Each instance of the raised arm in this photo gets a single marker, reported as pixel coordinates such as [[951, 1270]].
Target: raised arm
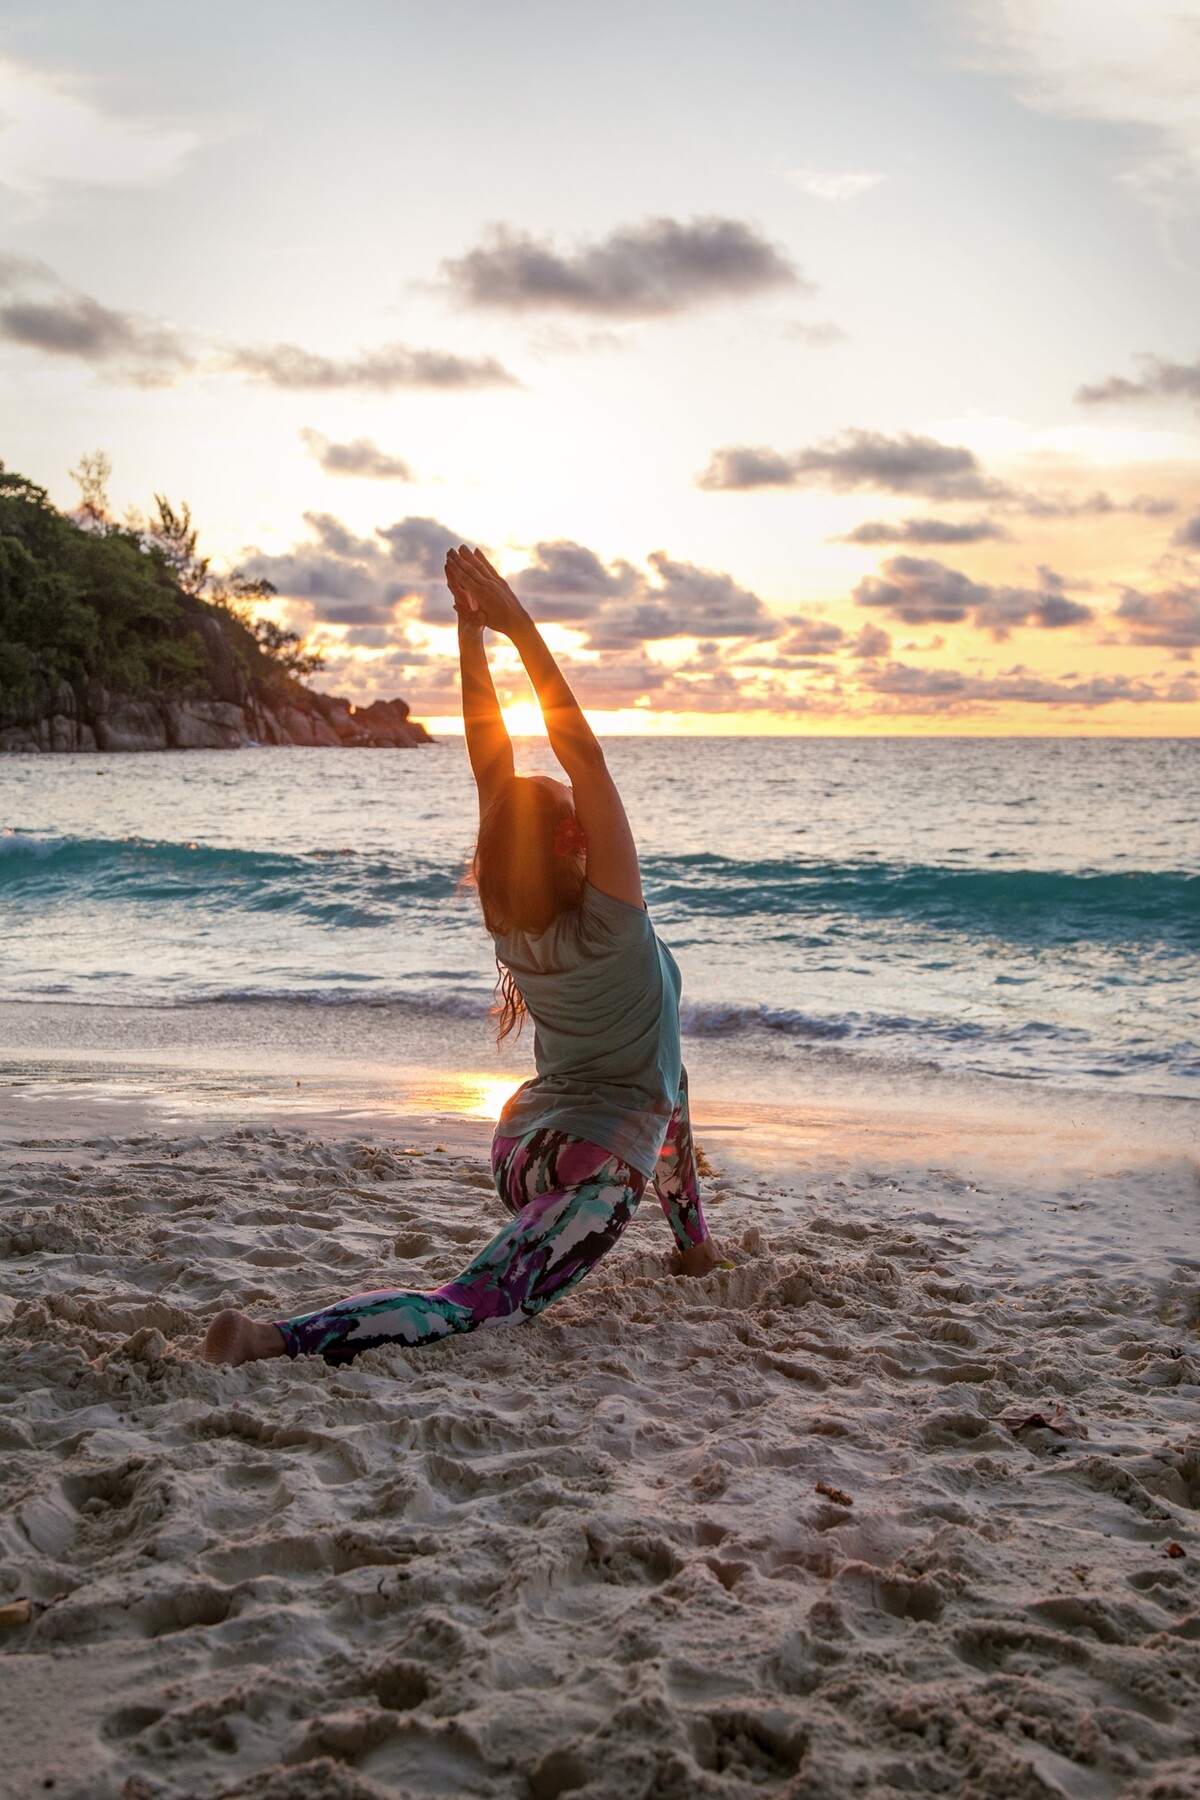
[[612, 864], [489, 746]]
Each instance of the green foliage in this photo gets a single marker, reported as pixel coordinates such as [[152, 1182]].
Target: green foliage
[[178, 663], [173, 536], [77, 600], [83, 597], [286, 649]]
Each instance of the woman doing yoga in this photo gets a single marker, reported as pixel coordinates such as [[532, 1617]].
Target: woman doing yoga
[[558, 880]]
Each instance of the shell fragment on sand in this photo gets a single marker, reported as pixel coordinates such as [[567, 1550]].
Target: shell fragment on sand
[[1055, 1418]]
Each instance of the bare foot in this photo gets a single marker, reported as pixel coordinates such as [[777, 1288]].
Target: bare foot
[[700, 1259], [233, 1338]]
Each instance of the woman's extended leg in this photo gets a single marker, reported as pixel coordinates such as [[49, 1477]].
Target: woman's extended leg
[[676, 1186], [580, 1199]]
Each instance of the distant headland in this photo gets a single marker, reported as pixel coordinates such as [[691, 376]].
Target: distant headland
[[117, 637]]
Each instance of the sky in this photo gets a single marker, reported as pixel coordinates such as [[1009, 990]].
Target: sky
[[822, 366]]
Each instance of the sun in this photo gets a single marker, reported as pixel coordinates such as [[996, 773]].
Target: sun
[[523, 718]]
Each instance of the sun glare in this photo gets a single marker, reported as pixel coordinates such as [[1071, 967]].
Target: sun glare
[[483, 1096], [523, 718]]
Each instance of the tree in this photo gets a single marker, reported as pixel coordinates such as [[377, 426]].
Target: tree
[[79, 597], [239, 594], [286, 648], [173, 535], [132, 605], [93, 474]]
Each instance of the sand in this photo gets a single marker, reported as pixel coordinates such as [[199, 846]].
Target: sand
[[598, 1554]]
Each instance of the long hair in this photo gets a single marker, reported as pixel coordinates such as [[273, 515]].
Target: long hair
[[523, 881]]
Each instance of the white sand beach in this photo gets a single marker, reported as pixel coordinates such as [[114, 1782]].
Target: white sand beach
[[762, 1533]]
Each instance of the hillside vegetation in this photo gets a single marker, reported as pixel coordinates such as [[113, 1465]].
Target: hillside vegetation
[[118, 637]]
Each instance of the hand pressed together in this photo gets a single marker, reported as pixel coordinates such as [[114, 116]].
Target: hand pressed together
[[479, 590]]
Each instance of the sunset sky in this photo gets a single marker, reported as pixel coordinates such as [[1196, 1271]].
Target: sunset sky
[[819, 365]]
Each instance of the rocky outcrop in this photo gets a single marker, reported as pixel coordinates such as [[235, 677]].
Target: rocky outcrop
[[131, 725], [204, 724], [64, 719]]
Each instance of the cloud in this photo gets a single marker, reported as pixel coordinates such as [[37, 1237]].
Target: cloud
[[632, 680], [16, 270], [1057, 505], [824, 331], [833, 184], [376, 588], [1153, 506], [696, 686], [924, 531], [548, 338], [871, 642], [618, 607], [908, 464], [373, 590], [706, 603], [812, 637], [948, 690], [379, 371], [920, 591], [357, 581], [417, 546], [38, 312], [680, 600], [362, 457], [571, 585], [1170, 618], [741, 466], [635, 680], [52, 135], [429, 686], [338, 539], [80, 326], [620, 679], [625, 680], [1163, 380], [1128, 63], [1188, 535], [646, 271]]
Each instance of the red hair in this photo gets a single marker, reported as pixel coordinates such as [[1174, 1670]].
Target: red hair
[[526, 872]]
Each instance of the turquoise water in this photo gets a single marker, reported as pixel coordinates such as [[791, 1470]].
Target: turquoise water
[[1026, 908]]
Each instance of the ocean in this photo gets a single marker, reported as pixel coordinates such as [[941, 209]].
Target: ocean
[[1020, 909]]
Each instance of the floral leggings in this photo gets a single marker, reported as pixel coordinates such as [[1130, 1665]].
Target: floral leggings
[[570, 1203]]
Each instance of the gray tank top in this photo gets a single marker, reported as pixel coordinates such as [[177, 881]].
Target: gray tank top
[[603, 995]]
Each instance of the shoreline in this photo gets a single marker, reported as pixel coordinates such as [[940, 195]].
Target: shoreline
[[282, 1060]]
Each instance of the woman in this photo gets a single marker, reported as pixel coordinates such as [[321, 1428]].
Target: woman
[[559, 884]]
